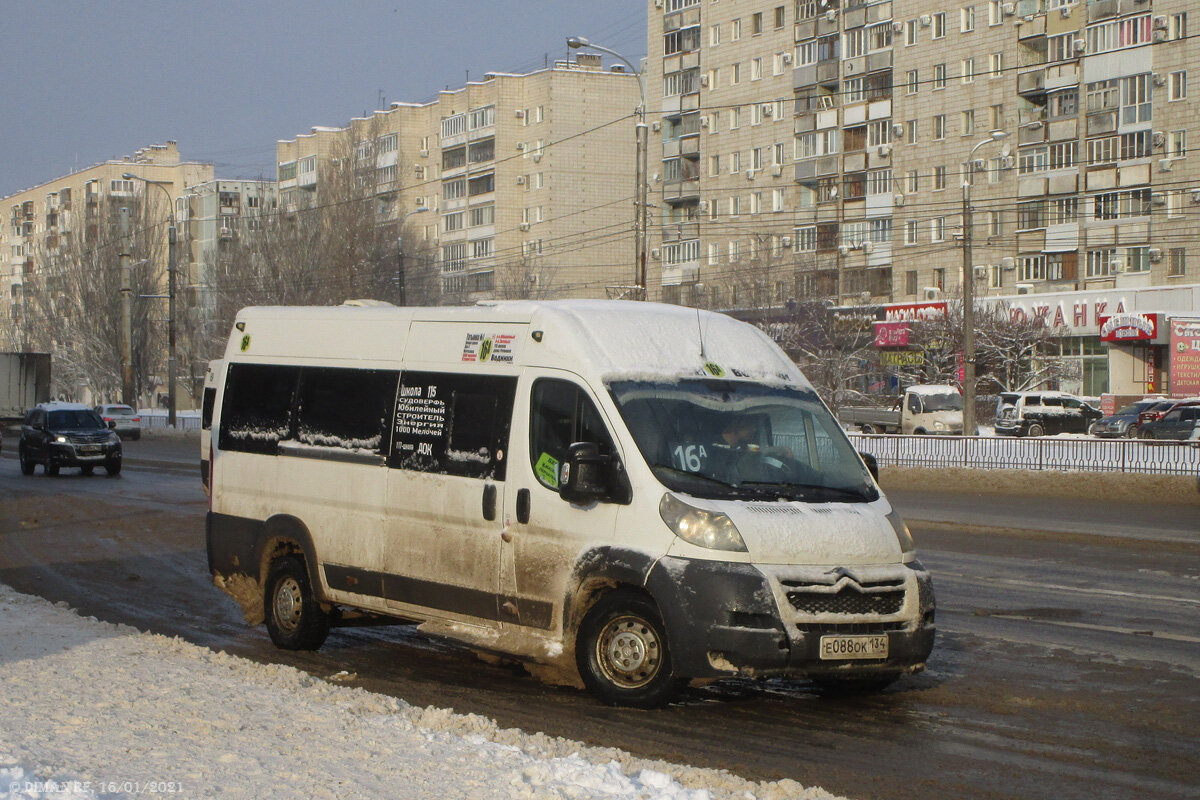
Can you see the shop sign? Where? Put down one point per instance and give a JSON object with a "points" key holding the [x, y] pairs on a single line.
{"points": [[1131, 327], [1185, 356], [901, 358], [911, 312], [891, 334]]}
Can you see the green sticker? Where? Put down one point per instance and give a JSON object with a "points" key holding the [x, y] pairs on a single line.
{"points": [[547, 470], [714, 369], [245, 342]]}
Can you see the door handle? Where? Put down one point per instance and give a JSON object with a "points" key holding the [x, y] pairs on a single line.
{"points": [[523, 501], [489, 502]]}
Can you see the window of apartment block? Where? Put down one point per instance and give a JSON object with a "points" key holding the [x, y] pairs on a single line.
{"points": [[1177, 262], [756, 160], [735, 30], [806, 9], [913, 184], [912, 133], [735, 118], [756, 72], [937, 230], [911, 231], [714, 164], [1062, 155], [1063, 210], [967, 19], [968, 121], [910, 282], [855, 89], [996, 65], [939, 279], [967, 70], [939, 177], [1031, 215], [453, 222], [1135, 99], [1033, 159], [756, 202], [778, 200], [780, 16], [735, 74], [1177, 27], [878, 133], [939, 76], [806, 239], [1118, 34], [486, 215], [911, 32], [854, 43], [939, 25], [756, 23], [1177, 144], [780, 154], [912, 81], [939, 127], [779, 64], [995, 223], [1032, 268], [1061, 47], [1178, 85], [879, 181], [735, 205], [1100, 262], [714, 35], [995, 14], [1063, 104], [996, 117]]}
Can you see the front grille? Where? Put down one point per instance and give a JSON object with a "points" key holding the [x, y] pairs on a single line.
{"points": [[848, 628], [847, 601]]}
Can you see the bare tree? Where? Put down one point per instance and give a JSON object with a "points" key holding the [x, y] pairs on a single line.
{"points": [[834, 348], [73, 300]]}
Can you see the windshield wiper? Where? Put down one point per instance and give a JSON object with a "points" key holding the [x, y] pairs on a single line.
{"points": [[808, 491], [729, 489]]}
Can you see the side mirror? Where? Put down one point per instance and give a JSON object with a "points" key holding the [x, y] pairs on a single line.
{"points": [[583, 477], [872, 464], [112, 424]]}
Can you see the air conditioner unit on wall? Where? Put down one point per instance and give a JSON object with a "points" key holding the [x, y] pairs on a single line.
{"points": [[897, 27], [524, 226], [1024, 288], [898, 199], [898, 130], [1008, 9], [767, 110], [1079, 45], [883, 150], [931, 292], [1166, 164], [1154, 254], [926, 20], [520, 180], [1158, 198], [1158, 138], [1160, 80]]}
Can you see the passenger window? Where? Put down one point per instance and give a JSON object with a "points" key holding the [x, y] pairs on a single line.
{"points": [[914, 404], [452, 424], [561, 414], [206, 410], [257, 410], [346, 408]]}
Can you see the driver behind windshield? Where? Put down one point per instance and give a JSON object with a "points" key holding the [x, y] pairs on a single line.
{"points": [[741, 455]]}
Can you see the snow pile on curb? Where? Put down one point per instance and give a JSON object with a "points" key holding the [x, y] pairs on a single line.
{"points": [[93, 710]]}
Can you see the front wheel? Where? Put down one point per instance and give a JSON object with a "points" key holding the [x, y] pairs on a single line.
{"points": [[113, 466], [1036, 430], [623, 655], [27, 464], [868, 429], [1148, 435], [1131, 432], [294, 618]]}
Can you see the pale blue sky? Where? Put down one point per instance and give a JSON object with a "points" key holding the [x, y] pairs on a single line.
{"points": [[88, 81]]}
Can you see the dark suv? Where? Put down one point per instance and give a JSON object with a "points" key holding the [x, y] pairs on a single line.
{"points": [[1042, 413], [59, 435]]}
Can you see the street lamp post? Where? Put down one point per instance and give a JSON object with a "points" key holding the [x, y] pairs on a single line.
{"points": [[641, 189], [171, 238], [968, 291], [400, 284]]}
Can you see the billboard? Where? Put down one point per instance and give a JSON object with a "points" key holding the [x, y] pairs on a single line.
{"points": [[1185, 356]]}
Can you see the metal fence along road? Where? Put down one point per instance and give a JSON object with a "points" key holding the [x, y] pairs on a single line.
{"points": [[1035, 453]]}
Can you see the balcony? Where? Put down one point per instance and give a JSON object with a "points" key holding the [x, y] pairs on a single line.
{"points": [[1032, 83]]}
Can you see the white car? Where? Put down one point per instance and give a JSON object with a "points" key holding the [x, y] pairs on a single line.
{"points": [[128, 423]]}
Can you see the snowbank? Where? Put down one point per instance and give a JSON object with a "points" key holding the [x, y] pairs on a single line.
{"points": [[95, 710]]}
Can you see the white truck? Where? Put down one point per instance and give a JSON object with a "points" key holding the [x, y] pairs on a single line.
{"points": [[927, 409], [24, 382]]}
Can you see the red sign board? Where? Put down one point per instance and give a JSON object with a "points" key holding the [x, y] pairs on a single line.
{"points": [[910, 312], [891, 334], [1129, 327], [1185, 356]]}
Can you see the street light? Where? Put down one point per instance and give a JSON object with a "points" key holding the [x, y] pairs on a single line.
{"points": [[641, 189], [400, 252], [968, 291], [129, 176]]}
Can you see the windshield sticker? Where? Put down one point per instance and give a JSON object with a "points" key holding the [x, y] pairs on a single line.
{"points": [[714, 369], [245, 342], [547, 470], [483, 348]]}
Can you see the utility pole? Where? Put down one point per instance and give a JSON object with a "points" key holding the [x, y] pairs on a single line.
{"points": [[171, 321], [128, 390]]}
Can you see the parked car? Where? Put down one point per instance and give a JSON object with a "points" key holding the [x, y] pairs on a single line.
{"points": [[1124, 422], [1155, 412], [1179, 422], [58, 435], [1042, 413], [128, 424]]}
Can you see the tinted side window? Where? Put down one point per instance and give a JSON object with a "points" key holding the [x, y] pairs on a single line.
{"points": [[452, 424], [347, 408], [561, 415], [257, 410], [206, 410]]}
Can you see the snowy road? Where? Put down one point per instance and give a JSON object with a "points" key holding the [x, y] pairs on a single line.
{"points": [[1066, 666]]}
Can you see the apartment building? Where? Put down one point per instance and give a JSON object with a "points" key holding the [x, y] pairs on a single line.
{"points": [[527, 180], [41, 220], [212, 215], [817, 150]]}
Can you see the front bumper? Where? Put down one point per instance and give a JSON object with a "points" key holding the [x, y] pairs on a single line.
{"points": [[726, 619], [72, 454]]}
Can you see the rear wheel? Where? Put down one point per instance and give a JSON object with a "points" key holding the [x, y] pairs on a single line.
{"points": [[1146, 435], [27, 465], [294, 618], [622, 652], [1036, 430], [868, 429]]}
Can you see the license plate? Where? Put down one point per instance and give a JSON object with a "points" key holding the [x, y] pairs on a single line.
{"points": [[843, 648], [89, 449]]}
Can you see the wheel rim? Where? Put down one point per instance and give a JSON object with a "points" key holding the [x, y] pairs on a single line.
{"points": [[289, 603], [629, 652]]}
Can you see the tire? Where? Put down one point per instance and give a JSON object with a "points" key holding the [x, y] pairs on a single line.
{"points": [[51, 469], [868, 429], [113, 467], [87, 469], [1131, 432], [27, 465], [623, 654], [295, 620], [919, 432], [1035, 430], [1147, 435]]}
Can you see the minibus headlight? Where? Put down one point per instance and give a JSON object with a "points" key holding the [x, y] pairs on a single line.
{"points": [[709, 529], [907, 545]]}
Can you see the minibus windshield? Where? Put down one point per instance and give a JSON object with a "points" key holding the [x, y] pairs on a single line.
{"points": [[738, 439]]}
